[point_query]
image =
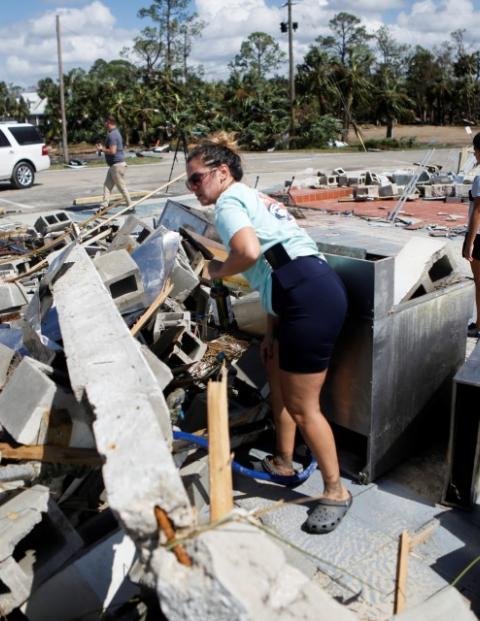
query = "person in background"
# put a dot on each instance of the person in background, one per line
(471, 245)
(306, 305)
(115, 158)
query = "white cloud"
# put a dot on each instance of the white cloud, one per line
(88, 33)
(430, 22)
(360, 7)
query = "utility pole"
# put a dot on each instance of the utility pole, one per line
(66, 157)
(290, 26)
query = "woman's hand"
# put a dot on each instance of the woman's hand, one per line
(214, 268)
(468, 249)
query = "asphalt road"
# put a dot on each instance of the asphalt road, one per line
(56, 189)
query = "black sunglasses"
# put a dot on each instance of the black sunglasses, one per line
(196, 178)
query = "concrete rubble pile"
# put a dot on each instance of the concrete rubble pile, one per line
(422, 181)
(430, 182)
(91, 389)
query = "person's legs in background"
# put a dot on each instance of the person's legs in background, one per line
(118, 175)
(107, 187)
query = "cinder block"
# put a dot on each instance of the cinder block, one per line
(420, 267)
(462, 189)
(388, 190)
(52, 222)
(371, 191)
(187, 350)
(43, 414)
(12, 297)
(183, 278)
(132, 233)
(121, 275)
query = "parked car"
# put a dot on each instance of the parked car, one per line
(22, 153)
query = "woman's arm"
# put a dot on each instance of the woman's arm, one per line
(244, 252)
(473, 227)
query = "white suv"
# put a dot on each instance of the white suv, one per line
(22, 153)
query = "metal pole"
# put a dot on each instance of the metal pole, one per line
(66, 157)
(291, 75)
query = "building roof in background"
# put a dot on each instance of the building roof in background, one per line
(36, 105)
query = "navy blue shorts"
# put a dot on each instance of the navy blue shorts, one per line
(310, 301)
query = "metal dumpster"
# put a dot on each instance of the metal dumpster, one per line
(462, 486)
(390, 359)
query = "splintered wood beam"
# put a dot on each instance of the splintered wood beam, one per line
(219, 458)
(157, 302)
(51, 454)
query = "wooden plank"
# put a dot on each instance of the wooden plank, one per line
(422, 535)
(158, 301)
(95, 216)
(93, 200)
(219, 459)
(51, 454)
(402, 569)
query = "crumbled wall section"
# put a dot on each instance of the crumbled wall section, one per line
(240, 574)
(132, 427)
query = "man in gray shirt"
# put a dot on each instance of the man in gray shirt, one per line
(115, 158)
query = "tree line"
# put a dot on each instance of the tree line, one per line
(347, 77)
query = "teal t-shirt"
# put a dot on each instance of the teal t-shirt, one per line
(240, 206)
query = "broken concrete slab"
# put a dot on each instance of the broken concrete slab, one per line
(6, 356)
(121, 275)
(48, 540)
(127, 402)
(163, 373)
(445, 605)
(224, 585)
(87, 587)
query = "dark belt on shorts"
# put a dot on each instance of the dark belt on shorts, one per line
(277, 256)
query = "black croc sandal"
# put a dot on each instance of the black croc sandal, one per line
(327, 515)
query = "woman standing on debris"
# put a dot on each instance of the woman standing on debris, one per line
(471, 245)
(306, 305)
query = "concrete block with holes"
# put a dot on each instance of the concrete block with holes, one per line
(121, 275)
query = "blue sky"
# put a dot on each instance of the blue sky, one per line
(94, 29)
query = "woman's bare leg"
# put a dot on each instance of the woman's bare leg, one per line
(301, 396)
(285, 426)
